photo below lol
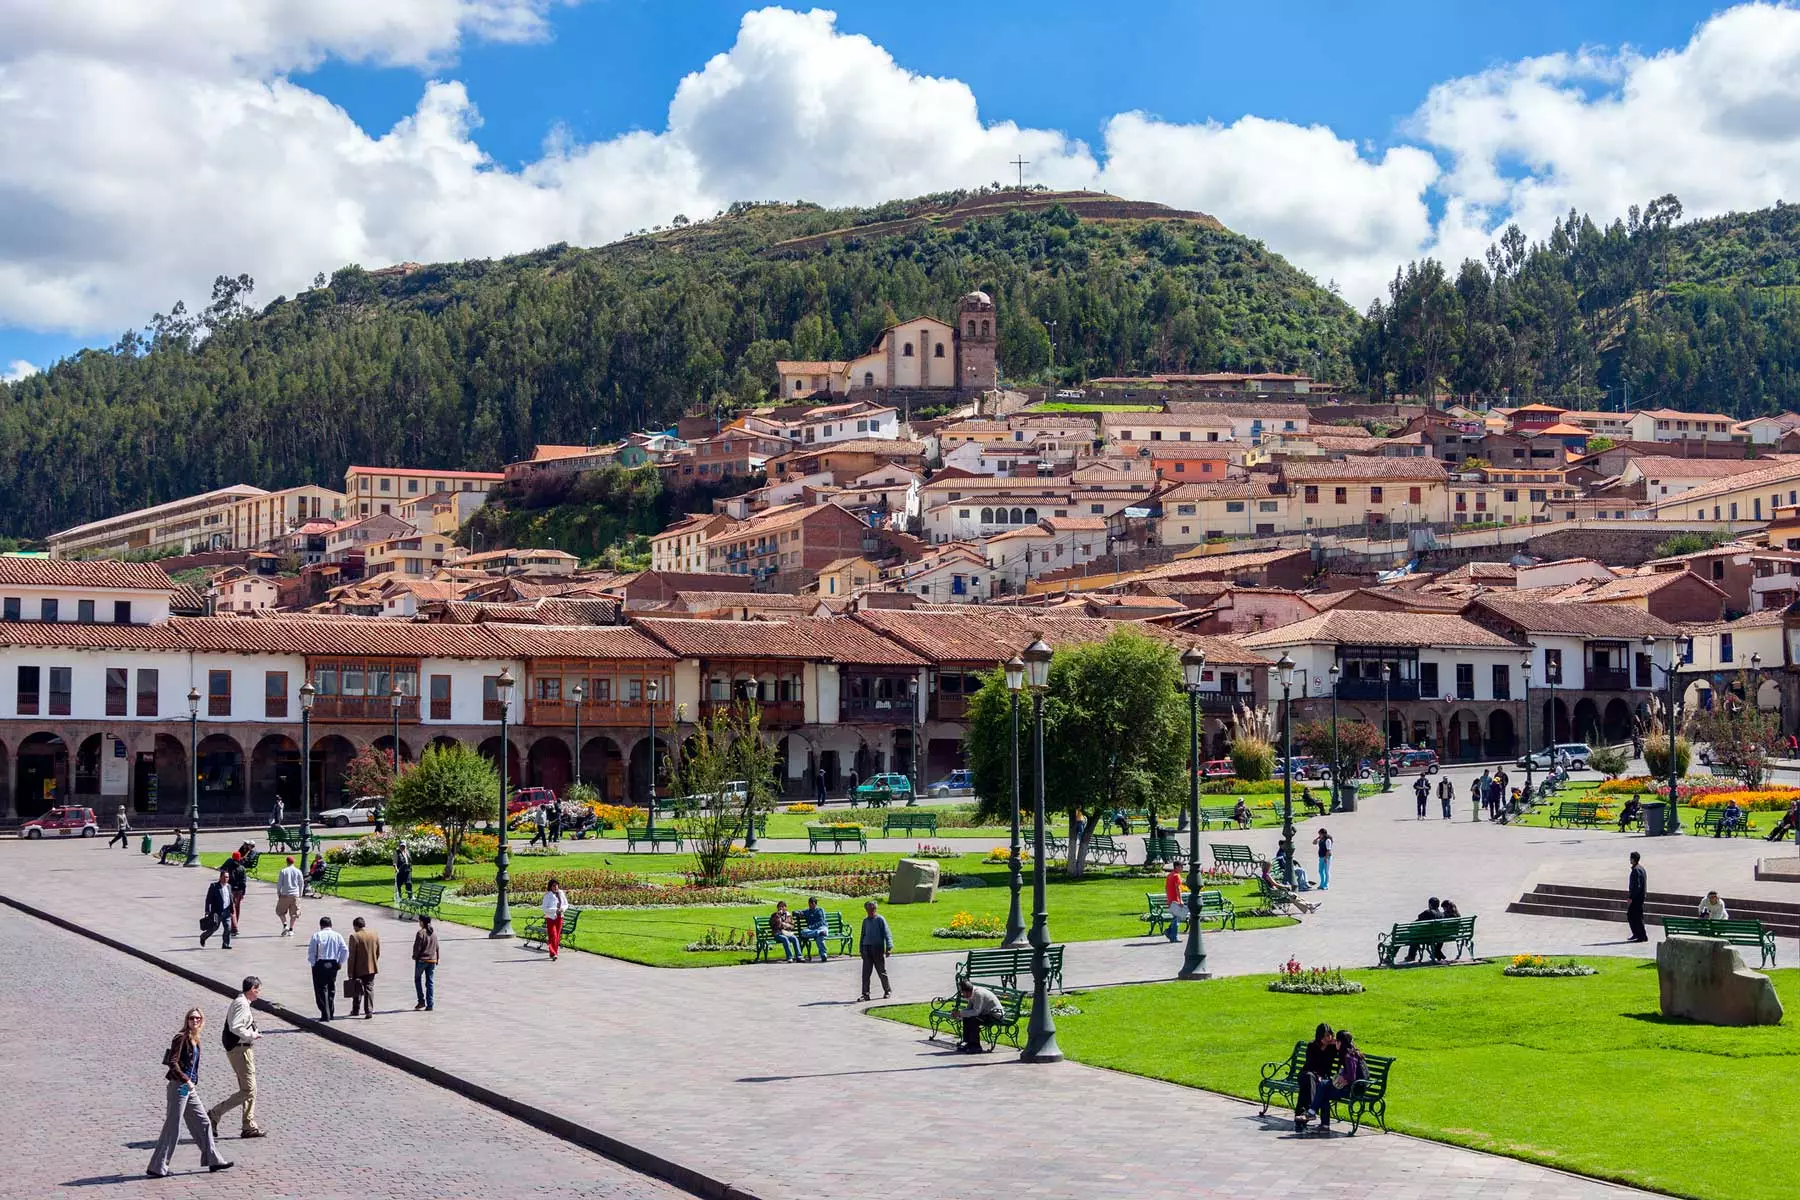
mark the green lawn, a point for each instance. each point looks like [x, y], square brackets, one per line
[1581, 1074]
[1105, 905]
[1540, 815]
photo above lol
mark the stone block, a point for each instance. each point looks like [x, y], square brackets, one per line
[914, 881]
[1705, 980]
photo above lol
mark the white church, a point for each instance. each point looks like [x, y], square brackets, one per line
[921, 353]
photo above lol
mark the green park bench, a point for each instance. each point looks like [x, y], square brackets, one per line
[251, 858]
[1568, 813]
[1426, 934]
[1211, 815]
[1711, 819]
[836, 930]
[1280, 1084]
[1213, 906]
[836, 836]
[1236, 860]
[1165, 847]
[1013, 1003]
[329, 879]
[909, 822]
[1103, 847]
[287, 840]
[1005, 966]
[533, 931]
[425, 900]
[176, 849]
[1751, 933]
[662, 835]
[1054, 846]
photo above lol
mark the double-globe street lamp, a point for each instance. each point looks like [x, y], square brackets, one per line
[503, 688]
[193, 849]
[1525, 674]
[1193, 670]
[1284, 671]
[1337, 760]
[1387, 727]
[650, 690]
[1014, 669]
[577, 693]
[307, 694]
[1673, 825]
[1040, 1039]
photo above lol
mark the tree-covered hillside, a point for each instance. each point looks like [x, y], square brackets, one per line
[469, 364]
[1697, 316]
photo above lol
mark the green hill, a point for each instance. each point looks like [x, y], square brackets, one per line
[1703, 315]
[469, 364]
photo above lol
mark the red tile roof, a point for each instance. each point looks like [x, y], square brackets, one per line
[349, 636]
[20, 571]
[987, 636]
[818, 639]
[1363, 628]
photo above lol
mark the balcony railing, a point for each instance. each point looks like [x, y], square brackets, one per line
[774, 712]
[1598, 680]
[1375, 689]
[896, 710]
[949, 707]
[1225, 702]
[593, 712]
[363, 708]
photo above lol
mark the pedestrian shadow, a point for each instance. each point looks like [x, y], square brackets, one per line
[101, 1180]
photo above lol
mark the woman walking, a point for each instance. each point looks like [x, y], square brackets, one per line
[555, 904]
[425, 961]
[402, 870]
[183, 1100]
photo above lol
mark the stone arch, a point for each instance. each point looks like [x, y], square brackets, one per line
[41, 773]
[1587, 721]
[1615, 721]
[1018, 516]
[639, 780]
[987, 516]
[6, 792]
[985, 328]
[1462, 735]
[85, 784]
[222, 777]
[971, 329]
[1555, 721]
[161, 779]
[1768, 694]
[1502, 740]
[548, 763]
[1031, 516]
[490, 750]
[441, 741]
[275, 773]
[331, 754]
[603, 768]
[384, 746]
[937, 351]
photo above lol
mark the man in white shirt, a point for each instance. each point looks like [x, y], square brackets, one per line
[289, 885]
[240, 1039]
[1713, 908]
[979, 1008]
[326, 952]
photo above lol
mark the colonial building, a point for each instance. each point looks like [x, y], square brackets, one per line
[921, 353]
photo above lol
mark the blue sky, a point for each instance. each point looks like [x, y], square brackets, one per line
[609, 67]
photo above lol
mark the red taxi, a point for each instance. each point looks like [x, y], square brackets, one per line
[61, 822]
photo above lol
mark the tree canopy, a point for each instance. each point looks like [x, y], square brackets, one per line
[451, 787]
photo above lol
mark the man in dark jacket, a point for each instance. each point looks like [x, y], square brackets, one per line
[1634, 911]
[218, 910]
[1320, 1067]
[1433, 912]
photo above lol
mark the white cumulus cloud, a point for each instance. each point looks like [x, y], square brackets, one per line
[19, 369]
[148, 145]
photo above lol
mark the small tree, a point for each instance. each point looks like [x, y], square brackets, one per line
[1656, 755]
[1742, 737]
[727, 748]
[450, 787]
[1610, 761]
[368, 775]
[1357, 742]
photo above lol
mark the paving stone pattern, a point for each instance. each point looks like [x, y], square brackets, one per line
[85, 1026]
[769, 1078]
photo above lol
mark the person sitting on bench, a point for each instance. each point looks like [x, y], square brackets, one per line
[1433, 912]
[1713, 908]
[1240, 813]
[1731, 820]
[1788, 821]
[979, 1008]
[178, 846]
[1631, 813]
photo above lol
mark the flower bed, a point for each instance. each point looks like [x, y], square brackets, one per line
[1705, 792]
[769, 870]
[801, 807]
[1313, 981]
[969, 927]
[582, 879]
[1536, 966]
[856, 885]
[714, 941]
[426, 845]
[1240, 787]
[927, 850]
[1003, 854]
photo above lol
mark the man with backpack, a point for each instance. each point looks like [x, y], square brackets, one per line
[239, 1040]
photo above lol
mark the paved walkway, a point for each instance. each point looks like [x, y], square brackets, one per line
[770, 1080]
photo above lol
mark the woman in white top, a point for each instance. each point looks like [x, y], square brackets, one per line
[1713, 908]
[555, 904]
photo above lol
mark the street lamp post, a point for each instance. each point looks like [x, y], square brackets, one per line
[578, 693]
[1040, 1039]
[650, 690]
[307, 693]
[1193, 670]
[193, 850]
[1525, 673]
[1674, 823]
[1337, 762]
[502, 910]
[395, 699]
[1387, 727]
[1284, 670]
[917, 730]
[1015, 921]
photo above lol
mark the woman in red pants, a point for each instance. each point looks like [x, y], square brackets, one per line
[555, 904]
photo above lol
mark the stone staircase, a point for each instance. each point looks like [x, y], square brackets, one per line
[1608, 904]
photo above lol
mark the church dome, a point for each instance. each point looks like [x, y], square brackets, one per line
[978, 297]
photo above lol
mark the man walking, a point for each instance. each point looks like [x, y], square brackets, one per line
[539, 835]
[121, 829]
[1446, 793]
[1477, 795]
[289, 883]
[275, 813]
[218, 910]
[240, 1040]
[425, 961]
[240, 883]
[1634, 910]
[365, 961]
[1421, 790]
[325, 953]
[877, 942]
[1173, 903]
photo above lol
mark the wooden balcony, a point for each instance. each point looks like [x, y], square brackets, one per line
[949, 707]
[363, 708]
[896, 710]
[594, 713]
[774, 712]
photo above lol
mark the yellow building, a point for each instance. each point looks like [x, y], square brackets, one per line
[1193, 513]
[374, 490]
[1752, 496]
[1365, 491]
[417, 555]
[258, 520]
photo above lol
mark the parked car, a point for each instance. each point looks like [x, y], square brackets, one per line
[360, 811]
[956, 783]
[1218, 768]
[61, 822]
[880, 790]
[1417, 760]
[529, 797]
[1577, 752]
